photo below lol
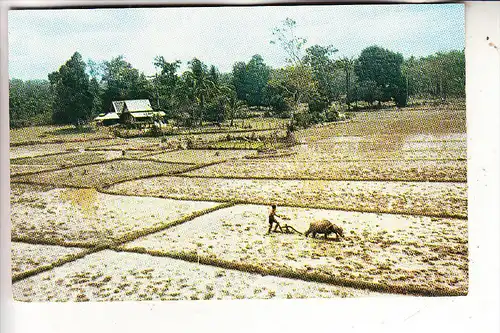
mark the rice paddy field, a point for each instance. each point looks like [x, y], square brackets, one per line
[184, 217]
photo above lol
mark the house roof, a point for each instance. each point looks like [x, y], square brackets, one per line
[132, 105]
[138, 105]
[147, 114]
[108, 116]
[118, 106]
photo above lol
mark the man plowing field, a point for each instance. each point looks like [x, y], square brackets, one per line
[324, 227]
[288, 229]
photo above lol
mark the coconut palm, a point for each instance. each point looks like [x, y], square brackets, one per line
[200, 83]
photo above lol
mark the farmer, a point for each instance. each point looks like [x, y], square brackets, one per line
[272, 220]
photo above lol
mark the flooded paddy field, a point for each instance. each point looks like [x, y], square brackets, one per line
[100, 218]
[332, 152]
[117, 276]
[19, 169]
[439, 199]
[426, 170]
[68, 159]
[89, 218]
[102, 174]
[26, 257]
[32, 150]
[200, 156]
[390, 250]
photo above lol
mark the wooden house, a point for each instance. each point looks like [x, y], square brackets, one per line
[131, 111]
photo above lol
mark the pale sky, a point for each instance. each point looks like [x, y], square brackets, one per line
[40, 41]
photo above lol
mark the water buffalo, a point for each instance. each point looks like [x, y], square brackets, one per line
[324, 227]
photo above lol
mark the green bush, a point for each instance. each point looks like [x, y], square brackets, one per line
[318, 105]
[302, 120]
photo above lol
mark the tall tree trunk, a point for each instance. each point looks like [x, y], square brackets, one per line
[202, 105]
[157, 94]
[347, 87]
[407, 90]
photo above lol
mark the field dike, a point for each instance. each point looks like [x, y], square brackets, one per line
[353, 179]
[225, 131]
[20, 179]
[107, 245]
[42, 141]
[303, 275]
[60, 262]
[106, 190]
[25, 158]
[149, 159]
[38, 241]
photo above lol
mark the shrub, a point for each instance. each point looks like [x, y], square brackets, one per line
[318, 105]
[155, 131]
[302, 120]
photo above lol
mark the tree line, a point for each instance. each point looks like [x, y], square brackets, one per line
[311, 88]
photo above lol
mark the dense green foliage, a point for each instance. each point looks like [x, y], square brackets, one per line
[324, 71]
[73, 96]
[381, 69]
[165, 83]
[311, 88]
[120, 81]
[439, 75]
[30, 103]
[250, 80]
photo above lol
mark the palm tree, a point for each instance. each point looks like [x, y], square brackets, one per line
[233, 104]
[347, 64]
[203, 87]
